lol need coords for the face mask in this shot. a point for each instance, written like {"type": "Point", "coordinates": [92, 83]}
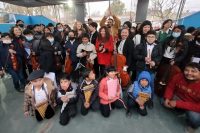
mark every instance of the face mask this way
{"type": "Point", "coordinates": [51, 40]}
{"type": "Point", "coordinates": [176, 34]}
{"type": "Point", "coordinates": [29, 38]}
{"type": "Point", "coordinates": [198, 40]}
{"type": "Point", "coordinates": [71, 38]}
{"type": "Point", "coordinates": [6, 41]}
{"type": "Point", "coordinates": [21, 25]}
{"type": "Point", "coordinates": [60, 29]}
{"type": "Point", "coordinates": [198, 43]}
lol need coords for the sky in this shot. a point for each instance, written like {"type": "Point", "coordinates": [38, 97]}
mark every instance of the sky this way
{"type": "Point", "coordinates": [192, 5]}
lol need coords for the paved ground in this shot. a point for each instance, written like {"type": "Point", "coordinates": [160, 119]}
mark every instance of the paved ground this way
{"type": "Point", "coordinates": [159, 120]}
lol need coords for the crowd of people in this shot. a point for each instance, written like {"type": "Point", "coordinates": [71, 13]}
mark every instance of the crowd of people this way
{"type": "Point", "coordinates": [55, 66]}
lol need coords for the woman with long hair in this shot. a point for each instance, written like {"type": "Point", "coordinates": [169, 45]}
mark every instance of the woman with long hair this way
{"type": "Point", "coordinates": [104, 48]}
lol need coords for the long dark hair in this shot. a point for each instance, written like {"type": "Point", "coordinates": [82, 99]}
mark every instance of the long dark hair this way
{"type": "Point", "coordinates": [166, 21]}
{"type": "Point", "coordinates": [107, 37]}
{"type": "Point", "coordinates": [12, 31]}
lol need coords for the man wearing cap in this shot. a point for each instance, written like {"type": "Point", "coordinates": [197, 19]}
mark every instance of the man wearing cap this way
{"type": "Point", "coordinates": [39, 96]}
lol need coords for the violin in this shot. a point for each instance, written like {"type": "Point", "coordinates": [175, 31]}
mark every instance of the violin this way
{"type": "Point", "coordinates": [119, 61]}
{"type": "Point", "coordinates": [13, 57]}
{"type": "Point", "coordinates": [88, 64]}
{"type": "Point", "coordinates": [68, 63]}
{"type": "Point", "coordinates": [34, 61]}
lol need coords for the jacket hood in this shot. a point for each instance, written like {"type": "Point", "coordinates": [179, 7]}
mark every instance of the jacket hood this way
{"type": "Point", "coordinates": [144, 75]}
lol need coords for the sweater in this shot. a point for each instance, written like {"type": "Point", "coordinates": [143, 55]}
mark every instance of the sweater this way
{"type": "Point", "coordinates": [187, 92]}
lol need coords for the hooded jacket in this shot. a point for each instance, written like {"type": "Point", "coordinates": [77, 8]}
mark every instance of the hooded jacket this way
{"type": "Point", "coordinates": [137, 88]}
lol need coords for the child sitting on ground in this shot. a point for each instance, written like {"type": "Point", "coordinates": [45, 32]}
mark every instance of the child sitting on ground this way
{"type": "Point", "coordinates": [88, 92]}
{"type": "Point", "coordinates": [39, 99]}
{"type": "Point", "coordinates": [67, 98]}
{"type": "Point", "coordinates": [110, 92]}
{"type": "Point", "coordinates": [140, 93]}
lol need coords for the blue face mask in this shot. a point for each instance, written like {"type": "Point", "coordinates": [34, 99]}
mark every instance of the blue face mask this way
{"type": "Point", "coordinates": [176, 34]}
{"type": "Point", "coordinates": [29, 38]}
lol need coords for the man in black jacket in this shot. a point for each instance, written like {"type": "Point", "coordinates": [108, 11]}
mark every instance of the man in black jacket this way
{"type": "Point", "coordinates": [126, 47]}
{"type": "Point", "coordinates": [93, 36]}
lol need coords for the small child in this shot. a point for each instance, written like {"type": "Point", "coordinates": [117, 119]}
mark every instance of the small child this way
{"type": "Point", "coordinates": [66, 97]}
{"type": "Point", "coordinates": [39, 99]}
{"type": "Point", "coordinates": [110, 92]}
{"type": "Point", "coordinates": [88, 92]}
{"type": "Point", "coordinates": [140, 93]}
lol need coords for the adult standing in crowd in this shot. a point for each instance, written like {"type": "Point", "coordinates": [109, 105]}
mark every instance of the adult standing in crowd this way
{"type": "Point", "coordinates": [113, 24]}
{"type": "Point", "coordinates": [104, 48]}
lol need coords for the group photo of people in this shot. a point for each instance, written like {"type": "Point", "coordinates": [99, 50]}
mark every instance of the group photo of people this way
{"type": "Point", "coordinates": [103, 66]}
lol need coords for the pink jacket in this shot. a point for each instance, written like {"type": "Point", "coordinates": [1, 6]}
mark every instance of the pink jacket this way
{"type": "Point", "coordinates": [103, 91]}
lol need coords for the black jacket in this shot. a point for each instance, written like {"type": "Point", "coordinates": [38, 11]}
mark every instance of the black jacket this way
{"type": "Point", "coordinates": [141, 52]}
{"type": "Point", "coordinates": [183, 48]}
{"type": "Point", "coordinates": [94, 37]}
{"type": "Point", "coordinates": [128, 52]}
{"type": "Point", "coordinates": [46, 56]}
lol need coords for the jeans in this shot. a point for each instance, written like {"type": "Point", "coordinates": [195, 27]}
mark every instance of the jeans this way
{"type": "Point", "coordinates": [193, 119]}
{"type": "Point", "coordinates": [18, 77]}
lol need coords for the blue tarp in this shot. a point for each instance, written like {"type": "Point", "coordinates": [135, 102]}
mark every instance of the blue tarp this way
{"type": "Point", "coordinates": [28, 20]}
{"type": "Point", "coordinates": [192, 20]}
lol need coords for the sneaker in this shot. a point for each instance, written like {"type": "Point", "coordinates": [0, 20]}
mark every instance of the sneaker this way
{"type": "Point", "coordinates": [20, 90]}
{"type": "Point", "coordinates": [142, 112]}
{"type": "Point", "coordinates": [162, 83]}
{"type": "Point", "coordinates": [189, 129]}
{"type": "Point", "coordinates": [150, 104]}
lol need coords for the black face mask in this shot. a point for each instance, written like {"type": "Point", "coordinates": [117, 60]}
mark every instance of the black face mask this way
{"type": "Point", "coordinates": [71, 38]}
{"type": "Point", "coordinates": [21, 25]}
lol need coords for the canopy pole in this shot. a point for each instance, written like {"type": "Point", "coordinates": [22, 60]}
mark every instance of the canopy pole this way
{"type": "Point", "coordinates": [55, 13]}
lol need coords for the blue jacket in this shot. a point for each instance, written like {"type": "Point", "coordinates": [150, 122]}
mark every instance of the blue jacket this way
{"type": "Point", "coordinates": [138, 88]}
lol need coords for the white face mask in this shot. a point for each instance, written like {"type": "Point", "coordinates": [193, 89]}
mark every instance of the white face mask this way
{"type": "Point", "coordinates": [60, 29]}
{"type": "Point", "coordinates": [6, 41]}
{"type": "Point", "coordinates": [51, 40]}
{"type": "Point", "coordinates": [176, 34]}
{"type": "Point", "coordinates": [198, 43]}
{"type": "Point", "coordinates": [29, 38]}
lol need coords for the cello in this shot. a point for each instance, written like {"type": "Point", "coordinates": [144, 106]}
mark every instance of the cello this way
{"type": "Point", "coordinates": [34, 61]}
{"type": "Point", "coordinates": [13, 57]}
{"type": "Point", "coordinates": [68, 63]}
{"type": "Point", "coordinates": [119, 62]}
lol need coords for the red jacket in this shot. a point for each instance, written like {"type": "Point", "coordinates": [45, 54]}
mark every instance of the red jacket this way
{"type": "Point", "coordinates": [188, 92]}
{"type": "Point", "coordinates": [105, 58]}
{"type": "Point", "coordinates": [103, 92]}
